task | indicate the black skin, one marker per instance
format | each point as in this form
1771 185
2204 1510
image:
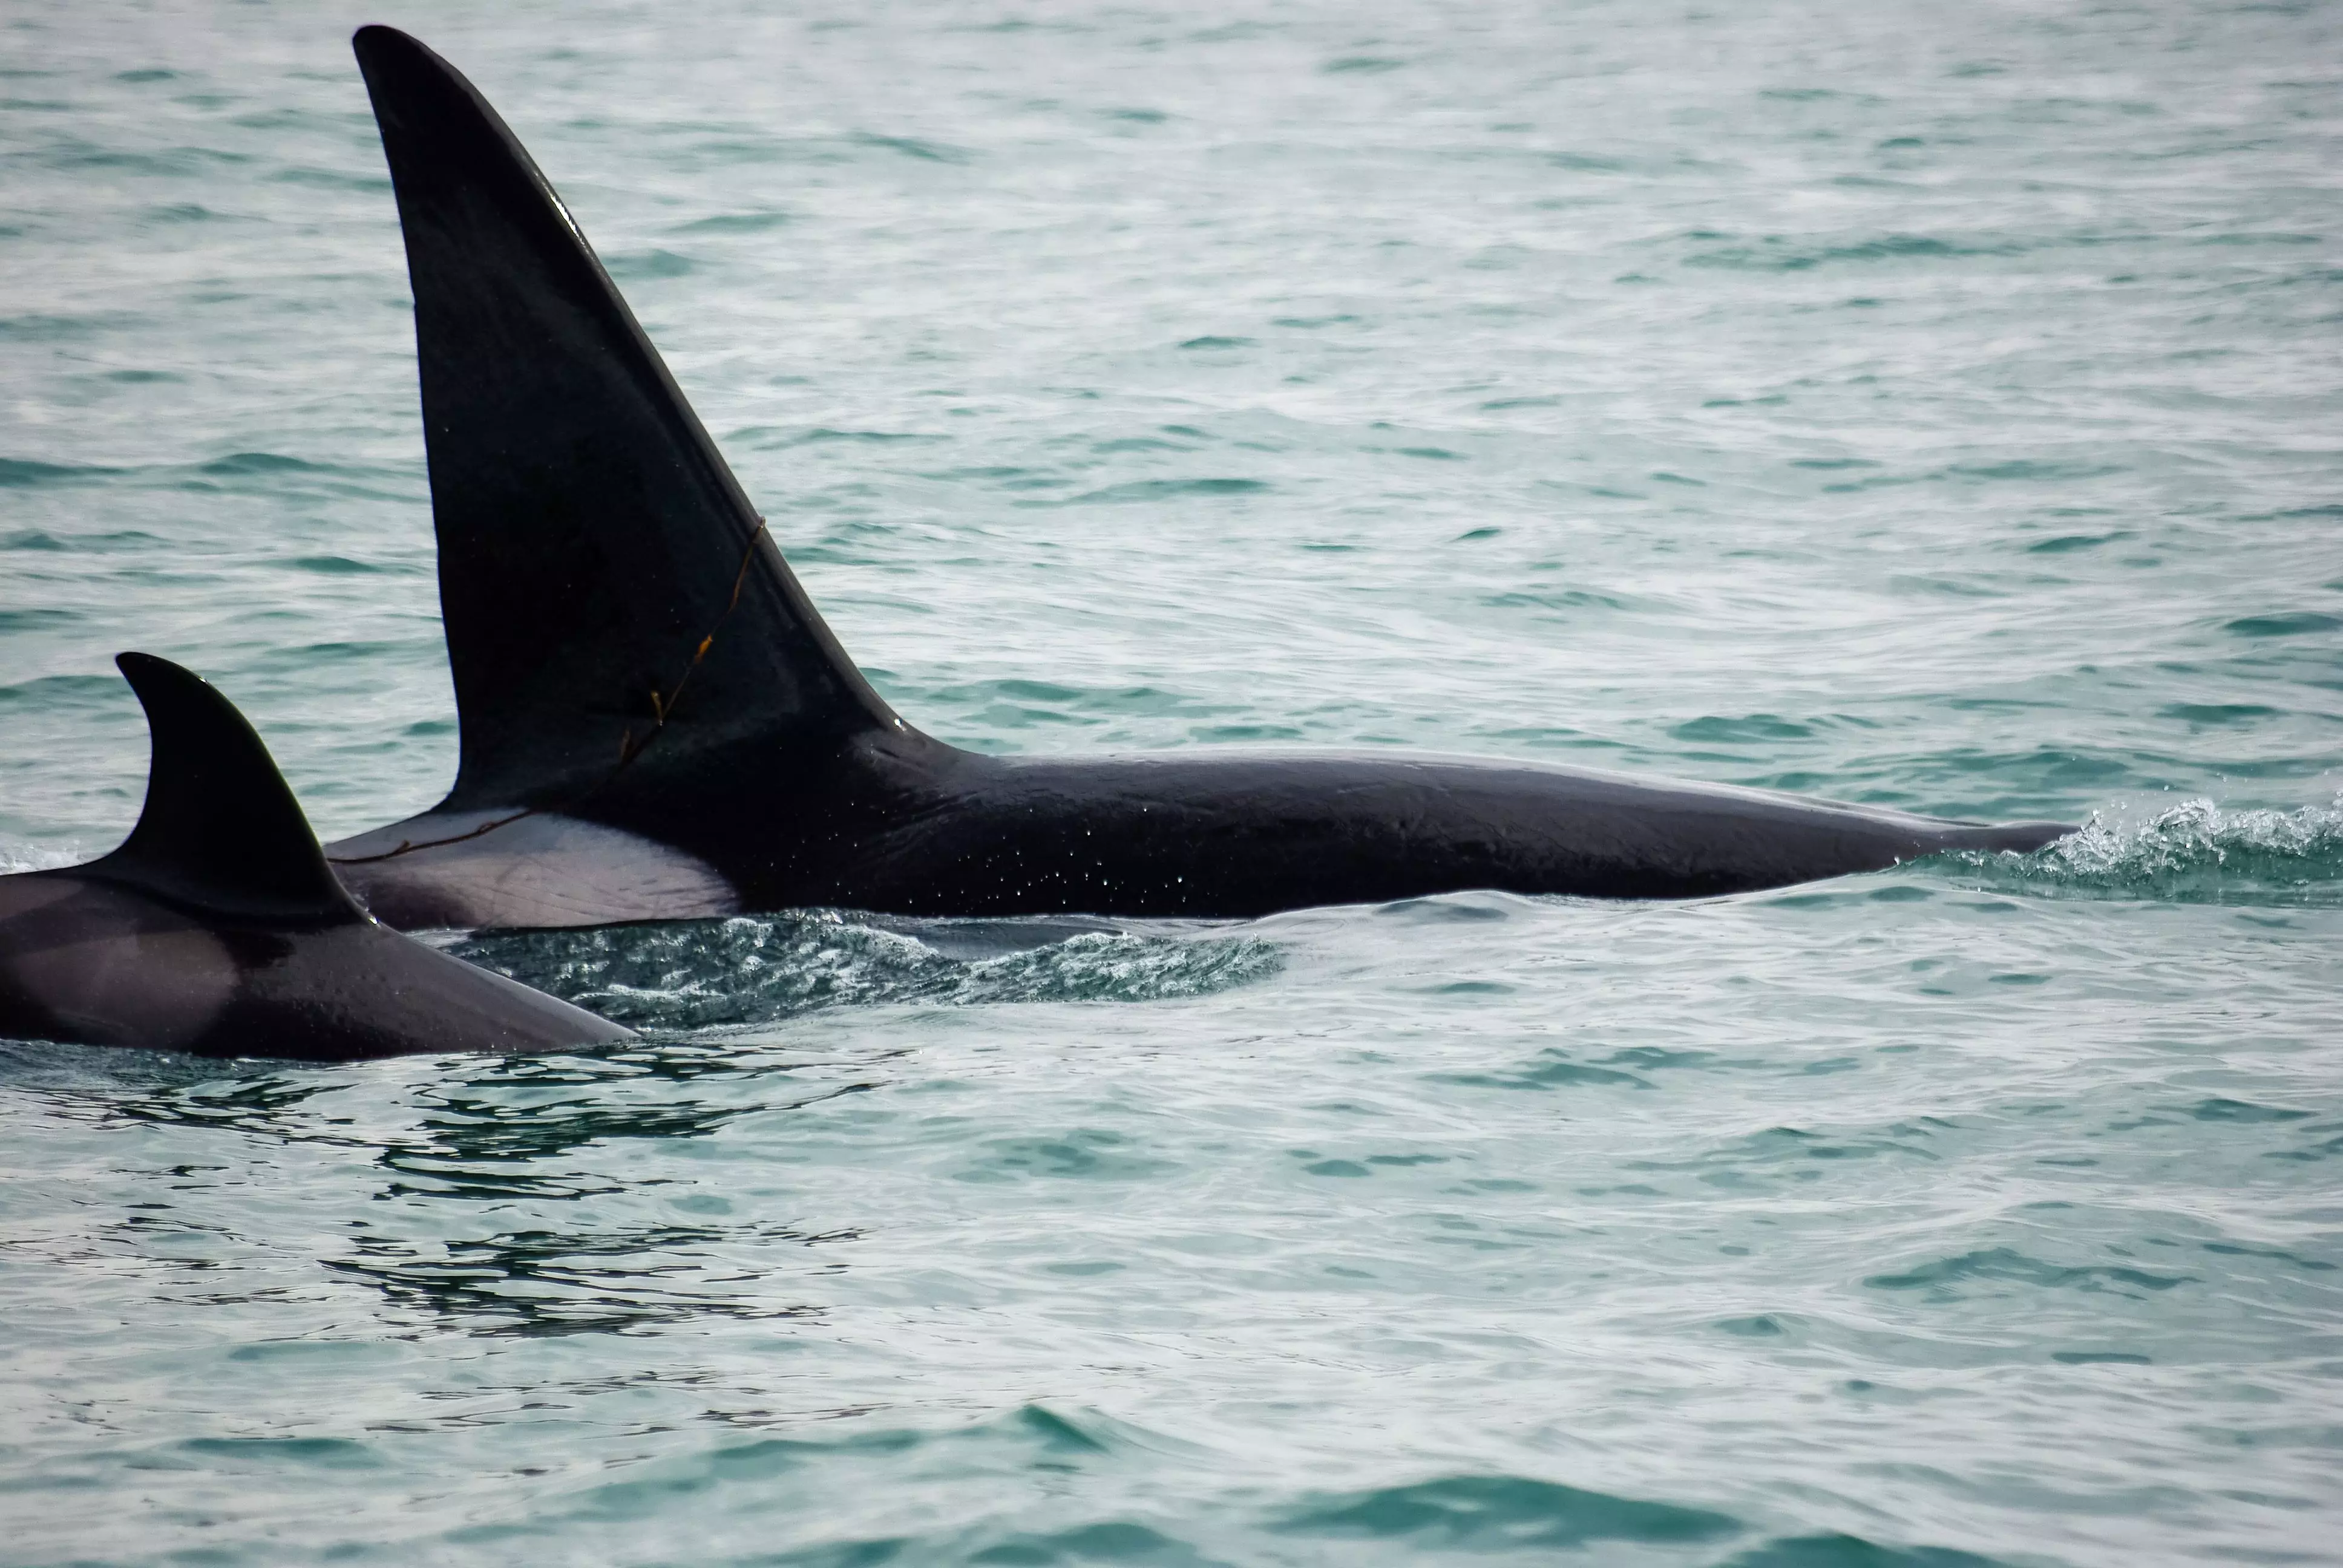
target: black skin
952 833
909 826
103 963
630 649
217 929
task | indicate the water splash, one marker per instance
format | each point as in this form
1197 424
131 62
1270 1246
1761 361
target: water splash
757 970
19 858
2194 853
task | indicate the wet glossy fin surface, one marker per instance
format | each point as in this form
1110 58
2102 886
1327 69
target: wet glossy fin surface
220 831
602 576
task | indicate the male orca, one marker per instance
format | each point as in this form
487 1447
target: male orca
217 928
655 724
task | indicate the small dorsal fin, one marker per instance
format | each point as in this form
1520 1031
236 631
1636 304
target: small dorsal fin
593 545
220 831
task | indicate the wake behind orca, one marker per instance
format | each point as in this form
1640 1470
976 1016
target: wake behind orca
656 723
218 928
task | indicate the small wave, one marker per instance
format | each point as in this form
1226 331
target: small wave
19 858
911 147
1776 254
757 970
1168 490
737 223
1989 1271
239 464
542 1283
1501 1512
25 473
1837 1551
639 266
2194 853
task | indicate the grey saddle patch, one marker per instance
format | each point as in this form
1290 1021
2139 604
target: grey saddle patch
123 970
541 870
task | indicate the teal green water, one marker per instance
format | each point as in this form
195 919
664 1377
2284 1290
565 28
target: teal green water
1918 404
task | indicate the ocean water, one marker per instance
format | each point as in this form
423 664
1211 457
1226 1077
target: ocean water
1910 403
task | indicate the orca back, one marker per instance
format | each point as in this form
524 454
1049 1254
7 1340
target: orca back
655 724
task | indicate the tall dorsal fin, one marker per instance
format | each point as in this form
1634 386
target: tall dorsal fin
591 537
220 831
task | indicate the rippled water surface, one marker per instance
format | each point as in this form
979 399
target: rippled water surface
1919 404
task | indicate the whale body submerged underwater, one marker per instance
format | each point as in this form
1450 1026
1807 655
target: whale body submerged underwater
218 928
656 723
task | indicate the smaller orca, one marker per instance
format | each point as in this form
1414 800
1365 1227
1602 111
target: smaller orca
218 928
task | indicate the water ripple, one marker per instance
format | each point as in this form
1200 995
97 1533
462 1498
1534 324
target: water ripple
2195 852
1918 404
756 969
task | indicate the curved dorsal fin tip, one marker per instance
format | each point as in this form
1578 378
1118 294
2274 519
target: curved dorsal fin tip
379 44
220 829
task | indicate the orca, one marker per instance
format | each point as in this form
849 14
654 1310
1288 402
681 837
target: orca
217 929
655 723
